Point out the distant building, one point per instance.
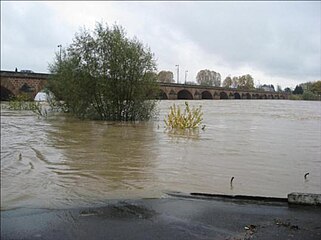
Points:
(268, 88)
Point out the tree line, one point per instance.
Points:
(208, 77)
(306, 91)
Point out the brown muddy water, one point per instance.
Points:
(58, 161)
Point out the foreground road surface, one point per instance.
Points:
(167, 218)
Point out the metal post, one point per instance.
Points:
(186, 75)
(60, 46)
(177, 72)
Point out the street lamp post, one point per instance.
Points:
(177, 72)
(186, 75)
(60, 46)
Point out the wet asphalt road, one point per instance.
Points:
(167, 218)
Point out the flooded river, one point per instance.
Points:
(58, 161)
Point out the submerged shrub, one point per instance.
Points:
(187, 119)
(105, 75)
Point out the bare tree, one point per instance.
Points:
(165, 76)
(208, 78)
(235, 82)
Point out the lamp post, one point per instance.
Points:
(177, 72)
(60, 46)
(186, 75)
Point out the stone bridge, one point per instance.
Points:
(181, 91)
(15, 83)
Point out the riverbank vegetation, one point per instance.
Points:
(307, 91)
(23, 102)
(104, 75)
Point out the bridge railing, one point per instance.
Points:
(182, 85)
(14, 74)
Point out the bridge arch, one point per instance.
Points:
(206, 95)
(223, 95)
(184, 94)
(237, 95)
(162, 95)
(6, 94)
(246, 96)
(26, 88)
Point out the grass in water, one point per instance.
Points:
(23, 102)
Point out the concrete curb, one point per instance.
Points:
(293, 198)
(304, 198)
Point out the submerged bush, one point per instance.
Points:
(187, 119)
(105, 75)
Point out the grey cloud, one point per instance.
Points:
(281, 39)
(29, 36)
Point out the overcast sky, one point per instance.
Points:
(275, 42)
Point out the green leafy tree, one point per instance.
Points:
(298, 90)
(308, 95)
(105, 75)
(287, 90)
(246, 82)
(306, 86)
(316, 87)
(165, 76)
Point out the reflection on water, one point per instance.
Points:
(267, 146)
